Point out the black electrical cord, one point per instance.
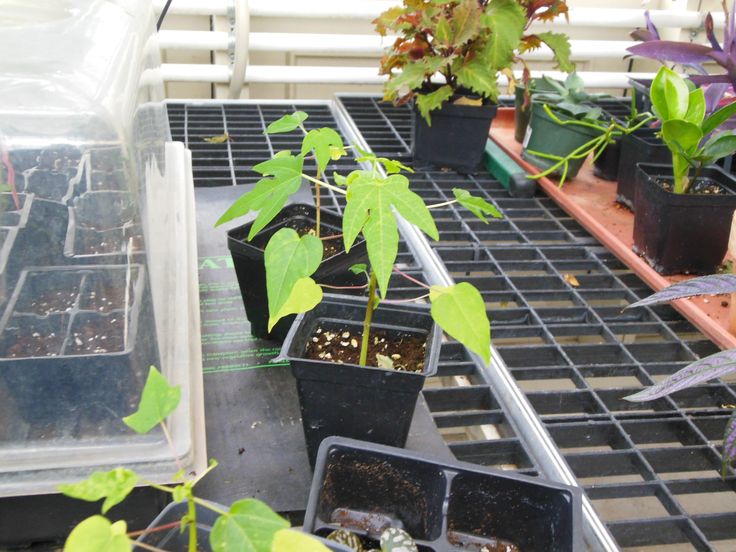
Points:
(163, 14)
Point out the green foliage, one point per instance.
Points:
(287, 540)
(158, 400)
(468, 42)
(287, 123)
(97, 534)
(689, 135)
(248, 526)
(113, 486)
(461, 311)
(476, 205)
(322, 141)
(571, 98)
(370, 200)
(290, 261)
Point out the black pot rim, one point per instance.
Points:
(659, 170)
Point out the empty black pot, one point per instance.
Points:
(250, 267)
(682, 233)
(362, 402)
(641, 146)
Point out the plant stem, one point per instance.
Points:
(443, 204)
(149, 547)
(133, 534)
(209, 506)
(325, 184)
(318, 205)
(411, 279)
(368, 318)
(192, 521)
(399, 301)
(343, 287)
(170, 441)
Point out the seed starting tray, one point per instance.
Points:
(555, 298)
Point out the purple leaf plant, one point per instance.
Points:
(694, 55)
(705, 369)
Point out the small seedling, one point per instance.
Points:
(249, 525)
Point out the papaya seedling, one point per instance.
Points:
(374, 199)
(247, 525)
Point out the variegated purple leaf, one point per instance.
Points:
(730, 29)
(709, 79)
(715, 284)
(729, 445)
(708, 368)
(670, 50)
(713, 95)
(650, 25)
(710, 34)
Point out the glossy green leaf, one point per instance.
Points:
(113, 486)
(686, 135)
(434, 100)
(559, 43)
(360, 268)
(506, 20)
(322, 141)
(461, 312)
(718, 117)
(97, 534)
(287, 123)
(158, 400)
(269, 195)
(696, 107)
(718, 147)
(476, 205)
(476, 76)
(249, 526)
(670, 95)
(291, 259)
(289, 540)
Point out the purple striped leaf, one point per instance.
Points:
(729, 445)
(710, 33)
(715, 284)
(708, 368)
(670, 50)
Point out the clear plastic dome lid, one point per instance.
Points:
(95, 244)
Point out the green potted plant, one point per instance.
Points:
(683, 211)
(361, 362)
(561, 122)
(190, 524)
(283, 175)
(523, 94)
(468, 43)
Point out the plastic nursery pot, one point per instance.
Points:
(456, 137)
(606, 164)
(250, 266)
(682, 233)
(641, 94)
(521, 114)
(546, 136)
(71, 346)
(362, 402)
(173, 539)
(641, 146)
(443, 505)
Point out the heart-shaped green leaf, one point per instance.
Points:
(249, 526)
(158, 400)
(97, 534)
(113, 486)
(287, 123)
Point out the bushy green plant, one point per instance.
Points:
(468, 42)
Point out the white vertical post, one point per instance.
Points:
(240, 22)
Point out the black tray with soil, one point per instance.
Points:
(445, 506)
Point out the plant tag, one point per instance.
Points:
(527, 136)
(464, 100)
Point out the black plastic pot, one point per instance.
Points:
(682, 233)
(606, 165)
(546, 136)
(521, 114)
(641, 94)
(456, 137)
(444, 506)
(250, 267)
(641, 146)
(361, 402)
(174, 540)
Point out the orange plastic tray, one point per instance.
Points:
(592, 202)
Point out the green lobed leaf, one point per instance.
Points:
(718, 147)
(249, 526)
(412, 76)
(97, 534)
(321, 141)
(288, 540)
(434, 100)
(718, 117)
(443, 33)
(113, 486)
(461, 312)
(158, 400)
(359, 268)
(476, 205)
(559, 43)
(476, 76)
(290, 260)
(506, 20)
(287, 123)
